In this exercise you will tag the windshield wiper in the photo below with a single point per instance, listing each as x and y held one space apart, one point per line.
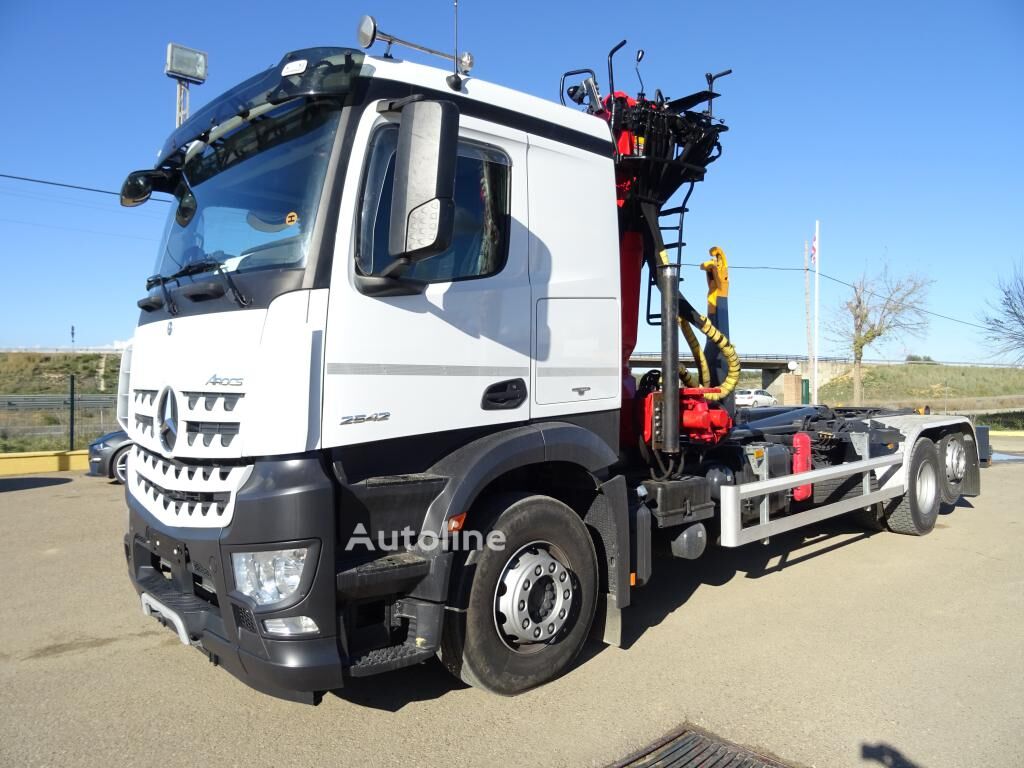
199 267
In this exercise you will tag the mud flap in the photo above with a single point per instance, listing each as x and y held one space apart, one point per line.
608 521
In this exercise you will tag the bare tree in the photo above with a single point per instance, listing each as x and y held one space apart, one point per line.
880 307
1005 319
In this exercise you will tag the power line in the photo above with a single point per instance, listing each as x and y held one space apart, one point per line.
78 229
754 267
848 285
53 198
69 186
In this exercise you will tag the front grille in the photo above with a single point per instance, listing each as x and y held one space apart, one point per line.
179 501
182 494
244 618
209 400
144 424
208 430
208 427
145 396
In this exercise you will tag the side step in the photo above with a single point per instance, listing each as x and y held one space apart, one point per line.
392 574
386 659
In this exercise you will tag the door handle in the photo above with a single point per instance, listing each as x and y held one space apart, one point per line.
504 396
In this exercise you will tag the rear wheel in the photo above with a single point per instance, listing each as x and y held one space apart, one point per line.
527 607
119 465
953 467
915 512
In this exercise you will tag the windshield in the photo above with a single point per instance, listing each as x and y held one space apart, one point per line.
250 198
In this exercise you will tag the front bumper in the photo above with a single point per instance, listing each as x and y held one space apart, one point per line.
99 462
187 571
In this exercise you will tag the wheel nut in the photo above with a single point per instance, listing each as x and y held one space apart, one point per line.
551 629
561 614
561 576
536 632
526 584
551 568
526 623
538 570
566 594
522 605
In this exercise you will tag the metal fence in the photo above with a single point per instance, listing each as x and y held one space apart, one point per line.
54 422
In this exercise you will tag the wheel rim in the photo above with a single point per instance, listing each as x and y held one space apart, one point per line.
925 487
534 597
956 461
121 467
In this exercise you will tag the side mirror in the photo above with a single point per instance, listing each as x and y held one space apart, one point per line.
423 197
136 188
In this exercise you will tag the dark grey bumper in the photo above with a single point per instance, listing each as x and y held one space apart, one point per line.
99 462
287 502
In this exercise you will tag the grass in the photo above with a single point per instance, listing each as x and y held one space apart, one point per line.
39 373
928 384
1008 421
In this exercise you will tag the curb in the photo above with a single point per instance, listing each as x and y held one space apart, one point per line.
34 462
1006 433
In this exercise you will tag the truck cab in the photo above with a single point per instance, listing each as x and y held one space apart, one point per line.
302 392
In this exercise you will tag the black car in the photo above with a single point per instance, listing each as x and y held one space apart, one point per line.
108 456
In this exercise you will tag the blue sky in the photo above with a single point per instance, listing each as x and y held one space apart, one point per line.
898 125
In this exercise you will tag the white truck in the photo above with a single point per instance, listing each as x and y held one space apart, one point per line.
379 388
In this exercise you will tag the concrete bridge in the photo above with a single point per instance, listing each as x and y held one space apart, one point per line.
772 366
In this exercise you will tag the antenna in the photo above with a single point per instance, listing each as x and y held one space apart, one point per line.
453 80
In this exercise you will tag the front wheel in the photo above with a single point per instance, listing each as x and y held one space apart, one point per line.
119 465
528 606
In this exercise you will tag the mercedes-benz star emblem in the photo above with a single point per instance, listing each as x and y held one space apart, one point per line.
167 418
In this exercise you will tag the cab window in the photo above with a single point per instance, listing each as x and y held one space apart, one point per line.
480 242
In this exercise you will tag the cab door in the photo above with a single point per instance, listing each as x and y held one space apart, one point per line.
457 355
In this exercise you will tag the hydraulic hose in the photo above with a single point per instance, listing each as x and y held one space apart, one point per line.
721 341
688 315
703 372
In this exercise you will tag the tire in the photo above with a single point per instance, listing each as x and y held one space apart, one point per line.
952 451
478 644
119 465
915 512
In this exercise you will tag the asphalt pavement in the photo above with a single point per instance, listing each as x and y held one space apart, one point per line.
827 647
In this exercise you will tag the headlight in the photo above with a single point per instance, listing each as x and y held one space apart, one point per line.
99 446
268 577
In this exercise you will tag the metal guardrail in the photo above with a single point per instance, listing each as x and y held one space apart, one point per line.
783 358
54 402
55 420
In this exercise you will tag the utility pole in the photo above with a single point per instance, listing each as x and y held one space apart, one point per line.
807 308
817 305
184 66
